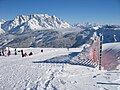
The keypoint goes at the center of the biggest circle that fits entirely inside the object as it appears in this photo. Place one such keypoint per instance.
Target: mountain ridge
(22, 23)
(27, 23)
(42, 30)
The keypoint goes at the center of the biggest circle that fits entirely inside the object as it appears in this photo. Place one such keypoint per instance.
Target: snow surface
(111, 55)
(114, 46)
(34, 73)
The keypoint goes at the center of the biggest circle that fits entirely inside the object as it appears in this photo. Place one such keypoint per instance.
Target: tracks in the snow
(49, 80)
(45, 80)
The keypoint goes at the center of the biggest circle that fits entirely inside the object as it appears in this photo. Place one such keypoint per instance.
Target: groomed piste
(58, 69)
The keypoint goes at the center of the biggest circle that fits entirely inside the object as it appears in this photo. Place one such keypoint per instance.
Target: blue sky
(72, 11)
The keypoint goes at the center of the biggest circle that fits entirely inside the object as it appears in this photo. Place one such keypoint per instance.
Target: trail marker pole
(100, 55)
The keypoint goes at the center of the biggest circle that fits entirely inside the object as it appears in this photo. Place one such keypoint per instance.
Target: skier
(15, 51)
(0, 53)
(30, 53)
(22, 53)
(42, 50)
(8, 52)
(3, 52)
(25, 54)
(68, 48)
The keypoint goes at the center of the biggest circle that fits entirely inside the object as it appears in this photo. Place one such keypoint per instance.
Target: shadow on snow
(68, 59)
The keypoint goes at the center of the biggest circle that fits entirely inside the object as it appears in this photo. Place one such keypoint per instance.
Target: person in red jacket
(8, 52)
(3, 52)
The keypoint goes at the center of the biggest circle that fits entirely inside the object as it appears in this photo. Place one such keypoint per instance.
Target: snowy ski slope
(34, 73)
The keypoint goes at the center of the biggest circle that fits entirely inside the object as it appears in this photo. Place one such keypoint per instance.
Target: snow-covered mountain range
(33, 22)
(42, 30)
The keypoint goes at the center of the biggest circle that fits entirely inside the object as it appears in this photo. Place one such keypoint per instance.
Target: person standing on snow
(3, 52)
(41, 50)
(22, 53)
(8, 52)
(0, 53)
(15, 51)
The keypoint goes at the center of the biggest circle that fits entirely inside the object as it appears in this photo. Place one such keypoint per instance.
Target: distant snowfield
(32, 73)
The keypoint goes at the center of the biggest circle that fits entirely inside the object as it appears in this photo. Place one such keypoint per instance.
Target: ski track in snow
(17, 73)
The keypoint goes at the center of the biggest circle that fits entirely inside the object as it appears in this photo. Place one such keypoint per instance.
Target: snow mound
(111, 56)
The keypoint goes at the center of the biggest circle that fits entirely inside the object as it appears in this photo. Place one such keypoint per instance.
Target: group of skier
(25, 54)
(7, 52)
(4, 52)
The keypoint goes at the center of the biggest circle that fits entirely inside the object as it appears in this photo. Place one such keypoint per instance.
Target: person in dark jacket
(0, 53)
(22, 53)
(41, 50)
(15, 51)
(30, 53)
